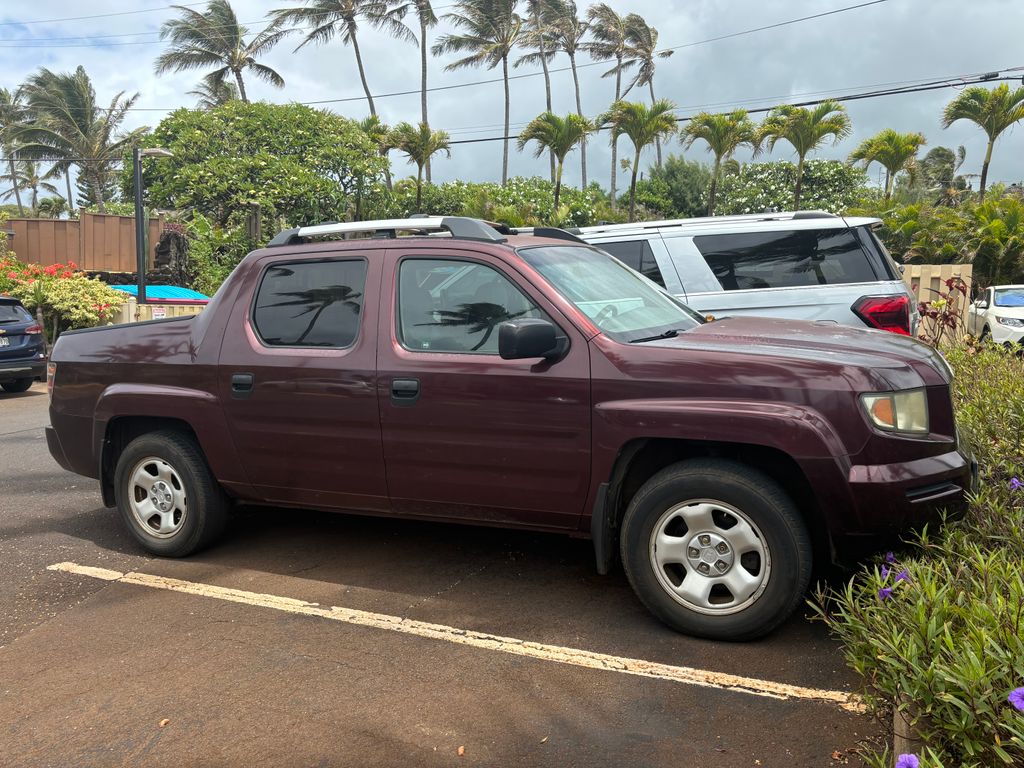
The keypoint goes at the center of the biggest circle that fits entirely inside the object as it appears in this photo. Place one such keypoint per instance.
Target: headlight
(898, 411)
(1010, 322)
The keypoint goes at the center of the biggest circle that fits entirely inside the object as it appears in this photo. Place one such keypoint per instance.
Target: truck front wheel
(166, 495)
(716, 549)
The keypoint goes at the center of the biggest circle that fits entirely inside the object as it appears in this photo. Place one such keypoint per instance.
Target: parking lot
(313, 639)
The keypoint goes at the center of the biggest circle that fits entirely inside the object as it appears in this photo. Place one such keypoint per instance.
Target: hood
(901, 361)
(1017, 312)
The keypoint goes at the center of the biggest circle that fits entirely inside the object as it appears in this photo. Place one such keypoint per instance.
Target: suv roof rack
(459, 227)
(712, 220)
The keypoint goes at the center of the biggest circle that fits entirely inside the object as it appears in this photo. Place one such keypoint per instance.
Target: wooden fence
(922, 277)
(95, 242)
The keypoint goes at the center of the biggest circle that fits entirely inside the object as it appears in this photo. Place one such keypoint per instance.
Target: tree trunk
(547, 84)
(657, 139)
(35, 200)
(67, 183)
(241, 85)
(423, 81)
(101, 204)
(362, 75)
(799, 184)
(14, 183)
(558, 184)
(419, 188)
(504, 156)
(632, 185)
(579, 111)
(714, 185)
(888, 185)
(615, 139)
(984, 170)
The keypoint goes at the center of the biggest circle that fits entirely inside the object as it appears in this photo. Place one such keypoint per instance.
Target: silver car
(807, 265)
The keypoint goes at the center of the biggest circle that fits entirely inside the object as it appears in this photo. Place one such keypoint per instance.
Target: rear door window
(785, 258)
(310, 304)
(636, 254)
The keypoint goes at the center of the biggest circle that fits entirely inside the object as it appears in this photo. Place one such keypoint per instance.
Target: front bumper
(892, 501)
(1002, 334)
(23, 368)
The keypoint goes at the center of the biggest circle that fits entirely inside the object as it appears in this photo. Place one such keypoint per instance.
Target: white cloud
(893, 41)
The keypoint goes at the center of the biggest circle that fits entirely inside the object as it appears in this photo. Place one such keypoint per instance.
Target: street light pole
(140, 236)
(141, 257)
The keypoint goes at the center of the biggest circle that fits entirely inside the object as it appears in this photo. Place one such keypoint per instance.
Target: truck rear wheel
(716, 549)
(166, 495)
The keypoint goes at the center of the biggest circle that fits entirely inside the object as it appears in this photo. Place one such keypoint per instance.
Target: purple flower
(890, 558)
(907, 761)
(885, 593)
(903, 575)
(1016, 484)
(1016, 698)
(885, 572)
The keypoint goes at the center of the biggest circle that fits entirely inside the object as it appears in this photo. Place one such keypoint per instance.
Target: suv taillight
(34, 330)
(51, 374)
(889, 313)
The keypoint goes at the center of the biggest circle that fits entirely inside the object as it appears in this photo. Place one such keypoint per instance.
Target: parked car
(807, 265)
(998, 314)
(22, 347)
(521, 381)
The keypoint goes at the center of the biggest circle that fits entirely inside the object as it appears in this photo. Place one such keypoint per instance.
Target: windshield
(1010, 297)
(624, 304)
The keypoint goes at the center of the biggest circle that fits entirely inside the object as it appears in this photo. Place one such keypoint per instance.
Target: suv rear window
(13, 313)
(636, 254)
(784, 259)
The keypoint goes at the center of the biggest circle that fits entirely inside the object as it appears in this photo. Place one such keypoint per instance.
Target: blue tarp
(164, 292)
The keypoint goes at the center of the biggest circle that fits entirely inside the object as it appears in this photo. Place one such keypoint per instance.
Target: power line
(954, 82)
(93, 16)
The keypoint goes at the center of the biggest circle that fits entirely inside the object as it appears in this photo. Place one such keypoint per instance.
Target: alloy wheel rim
(156, 495)
(710, 557)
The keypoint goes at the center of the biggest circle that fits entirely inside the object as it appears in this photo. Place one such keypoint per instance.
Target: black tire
(18, 385)
(780, 531)
(986, 334)
(203, 516)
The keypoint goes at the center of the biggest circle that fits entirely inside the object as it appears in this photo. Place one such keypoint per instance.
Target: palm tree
(608, 42)
(568, 31)
(992, 110)
(490, 29)
(724, 134)
(558, 135)
(642, 124)
(380, 134)
(419, 144)
(330, 18)
(642, 49)
(52, 207)
(214, 92)
(68, 124)
(892, 150)
(805, 129)
(427, 18)
(215, 39)
(12, 113)
(536, 38)
(29, 178)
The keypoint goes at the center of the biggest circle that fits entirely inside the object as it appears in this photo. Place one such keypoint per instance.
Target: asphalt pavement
(312, 639)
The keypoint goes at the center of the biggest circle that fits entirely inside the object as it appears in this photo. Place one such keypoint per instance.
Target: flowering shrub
(60, 295)
(942, 317)
(828, 185)
(941, 629)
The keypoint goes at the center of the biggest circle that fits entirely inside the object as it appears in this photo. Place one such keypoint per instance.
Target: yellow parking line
(563, 655)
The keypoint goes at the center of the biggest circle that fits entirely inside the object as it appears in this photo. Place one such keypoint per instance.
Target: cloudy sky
(889, 42)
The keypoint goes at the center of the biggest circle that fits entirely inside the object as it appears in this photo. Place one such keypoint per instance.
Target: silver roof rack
(459, 227)
(711, 220)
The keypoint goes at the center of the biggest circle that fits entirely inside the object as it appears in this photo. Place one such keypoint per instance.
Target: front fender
(199, 409)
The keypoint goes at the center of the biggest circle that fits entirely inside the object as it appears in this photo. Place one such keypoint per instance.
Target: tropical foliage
(679, 189)
(828, 185)
(559, 136)
(892, 150)
(419, 144)
(993, 110)
(723, 134)
(642, 125)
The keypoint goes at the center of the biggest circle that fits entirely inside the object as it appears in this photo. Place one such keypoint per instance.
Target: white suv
(807, 265)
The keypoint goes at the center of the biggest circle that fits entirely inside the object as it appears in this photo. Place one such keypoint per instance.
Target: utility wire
(93, 16)
(956, 82)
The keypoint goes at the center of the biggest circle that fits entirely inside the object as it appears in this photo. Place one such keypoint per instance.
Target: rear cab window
(786, 258)
(310, 303)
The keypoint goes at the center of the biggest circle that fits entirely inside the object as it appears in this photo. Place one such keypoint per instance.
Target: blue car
(22, 347)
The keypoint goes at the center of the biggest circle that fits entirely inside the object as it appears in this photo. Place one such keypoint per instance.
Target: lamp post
(140, 234)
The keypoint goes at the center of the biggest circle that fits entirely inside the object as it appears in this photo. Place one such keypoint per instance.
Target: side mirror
(528, 337)
(982, 304)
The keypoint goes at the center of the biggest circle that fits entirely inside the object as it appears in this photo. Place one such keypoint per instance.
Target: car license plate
(4, 341)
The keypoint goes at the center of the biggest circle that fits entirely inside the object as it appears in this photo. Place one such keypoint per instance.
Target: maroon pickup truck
(463, 374)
